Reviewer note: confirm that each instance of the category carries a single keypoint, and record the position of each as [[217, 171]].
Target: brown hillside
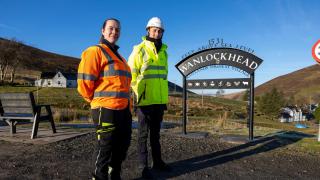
[[303, 84], [45, 61], [235, 96]]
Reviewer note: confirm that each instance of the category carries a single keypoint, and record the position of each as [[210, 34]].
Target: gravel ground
[[208, 158]]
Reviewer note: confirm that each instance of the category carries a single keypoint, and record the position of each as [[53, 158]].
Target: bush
[[271, 103], [245, 96], [317, 114]]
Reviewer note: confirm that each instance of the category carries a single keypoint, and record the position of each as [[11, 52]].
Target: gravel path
[[208, 158]]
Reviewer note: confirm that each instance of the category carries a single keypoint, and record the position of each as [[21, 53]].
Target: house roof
[[70, 76], [50, 75], [47, 75]]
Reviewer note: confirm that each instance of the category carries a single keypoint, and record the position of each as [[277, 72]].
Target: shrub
[[317, 114], [271, 103]]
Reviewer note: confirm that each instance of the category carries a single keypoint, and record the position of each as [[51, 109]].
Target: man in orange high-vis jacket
[[104, 81]]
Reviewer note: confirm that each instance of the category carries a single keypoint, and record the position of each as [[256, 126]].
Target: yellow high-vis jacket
[[149, 73], [103, 78]]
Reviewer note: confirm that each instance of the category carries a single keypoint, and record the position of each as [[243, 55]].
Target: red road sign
[[316, 51]]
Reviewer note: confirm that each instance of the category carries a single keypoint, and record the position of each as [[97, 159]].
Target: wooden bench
[[19, 107]]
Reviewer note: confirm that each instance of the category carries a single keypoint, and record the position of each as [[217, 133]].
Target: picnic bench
[[20, 107]]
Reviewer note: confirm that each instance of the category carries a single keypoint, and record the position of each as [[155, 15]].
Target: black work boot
[[146, 173], [115, 174], [95, 177], [161, 166]]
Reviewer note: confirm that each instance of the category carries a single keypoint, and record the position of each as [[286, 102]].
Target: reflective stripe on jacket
[[103, 78], [149, 73]]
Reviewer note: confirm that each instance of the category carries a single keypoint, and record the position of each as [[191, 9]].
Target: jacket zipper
[[159, 78], [143, 95]]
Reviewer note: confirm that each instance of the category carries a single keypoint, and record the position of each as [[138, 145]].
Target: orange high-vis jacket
[[104, 79]]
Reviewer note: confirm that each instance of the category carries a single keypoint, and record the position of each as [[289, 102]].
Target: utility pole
[[202, 99], [309, 103], [175, 87], [38, 89]]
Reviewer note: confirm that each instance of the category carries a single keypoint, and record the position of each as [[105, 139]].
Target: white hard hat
[[155, 22]]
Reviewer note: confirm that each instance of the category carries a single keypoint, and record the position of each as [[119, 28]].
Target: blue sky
[[281, 32]]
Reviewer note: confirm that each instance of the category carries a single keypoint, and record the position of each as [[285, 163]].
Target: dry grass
[[302, 84]]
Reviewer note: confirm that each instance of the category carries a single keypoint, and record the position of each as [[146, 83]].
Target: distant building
[[313, 107], [57, 79], [292, 114]]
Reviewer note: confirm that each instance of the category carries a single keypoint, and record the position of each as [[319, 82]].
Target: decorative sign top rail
[[219, 56]]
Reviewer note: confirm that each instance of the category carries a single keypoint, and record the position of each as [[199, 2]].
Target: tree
[[21, 55], [257, 99], [11, 54], [7, 53], [291, 101], [245, 96], [317, 114], [271, 103]]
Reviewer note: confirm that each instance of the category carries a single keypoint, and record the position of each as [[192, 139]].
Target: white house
[[291, 114], [59, 79]]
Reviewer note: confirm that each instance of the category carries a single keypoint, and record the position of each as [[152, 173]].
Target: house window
[[58, 74], [59, 82]]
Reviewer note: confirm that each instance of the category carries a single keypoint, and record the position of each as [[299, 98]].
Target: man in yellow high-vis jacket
[[149, 67]]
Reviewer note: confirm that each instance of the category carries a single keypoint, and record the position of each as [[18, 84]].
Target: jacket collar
[[114, 49], [107, 43], [164, 46]]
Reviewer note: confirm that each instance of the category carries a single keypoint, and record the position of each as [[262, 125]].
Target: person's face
[[155, 32], [111, 31]]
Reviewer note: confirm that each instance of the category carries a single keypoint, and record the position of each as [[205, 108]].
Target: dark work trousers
[[150, 118], [113, 129]]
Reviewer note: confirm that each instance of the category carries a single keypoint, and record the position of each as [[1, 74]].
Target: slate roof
[[50, 75]]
